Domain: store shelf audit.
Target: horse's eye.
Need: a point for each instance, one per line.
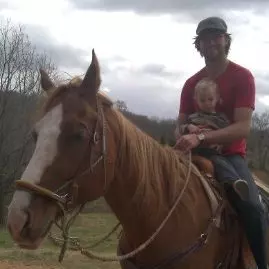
(79, 135)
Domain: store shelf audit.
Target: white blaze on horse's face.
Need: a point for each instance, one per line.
(48, 130)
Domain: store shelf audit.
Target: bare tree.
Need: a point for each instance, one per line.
(260, 121)
(258, 141)
(19, 91)
(121, 105)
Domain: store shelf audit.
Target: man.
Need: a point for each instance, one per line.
(237, 92)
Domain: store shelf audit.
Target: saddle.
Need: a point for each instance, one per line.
(204, 165)
(240, 250)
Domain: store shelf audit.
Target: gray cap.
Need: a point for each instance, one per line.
(211, 23)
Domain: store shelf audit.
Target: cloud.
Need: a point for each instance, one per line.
(168, 6)
(4, 4)
(145, 97)
(63, 55)
(158, 70)
(262, 83)
(150, 89)
(262, 96)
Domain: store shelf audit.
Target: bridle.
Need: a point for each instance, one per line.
(67, 201)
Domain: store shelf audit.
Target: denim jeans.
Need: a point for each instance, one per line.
(251, 213)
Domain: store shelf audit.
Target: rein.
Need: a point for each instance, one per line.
(68, 199)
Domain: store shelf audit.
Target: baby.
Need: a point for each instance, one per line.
(206, 119)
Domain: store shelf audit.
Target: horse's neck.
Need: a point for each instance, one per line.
(140, 219)
(122, 192)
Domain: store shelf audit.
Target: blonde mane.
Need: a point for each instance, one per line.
(161, 171)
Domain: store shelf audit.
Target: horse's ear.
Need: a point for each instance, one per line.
(45, 80)
(92, 79)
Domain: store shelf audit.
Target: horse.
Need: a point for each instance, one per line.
(86, 149)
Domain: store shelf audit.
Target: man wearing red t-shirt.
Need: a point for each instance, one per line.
(237, 92)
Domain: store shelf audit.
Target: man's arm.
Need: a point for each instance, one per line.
(237, 130)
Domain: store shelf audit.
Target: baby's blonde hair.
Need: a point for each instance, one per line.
(205, 84)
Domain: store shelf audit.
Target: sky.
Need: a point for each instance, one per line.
(144, 46)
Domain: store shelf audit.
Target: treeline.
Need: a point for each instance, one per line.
(258, 142)
(161, 130)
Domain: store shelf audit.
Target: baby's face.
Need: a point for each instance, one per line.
(207, 99)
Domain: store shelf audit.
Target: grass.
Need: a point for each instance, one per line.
(89, 228)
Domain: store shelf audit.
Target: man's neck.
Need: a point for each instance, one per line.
(217, 67)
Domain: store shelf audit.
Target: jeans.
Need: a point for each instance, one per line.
(251, 213)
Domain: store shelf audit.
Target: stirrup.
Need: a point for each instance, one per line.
(241, 188)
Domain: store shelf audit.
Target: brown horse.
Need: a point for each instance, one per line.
(86, 149)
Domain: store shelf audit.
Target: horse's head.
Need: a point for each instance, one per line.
(71, 163)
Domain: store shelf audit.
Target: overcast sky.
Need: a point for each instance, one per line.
(144, 46)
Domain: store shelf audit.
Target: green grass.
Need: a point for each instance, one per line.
(5, 241)
(89, 228)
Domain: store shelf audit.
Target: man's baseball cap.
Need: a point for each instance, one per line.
(211, 23)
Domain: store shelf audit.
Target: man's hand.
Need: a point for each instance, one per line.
(187, 142)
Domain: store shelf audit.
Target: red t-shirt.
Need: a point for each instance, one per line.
(237, 89)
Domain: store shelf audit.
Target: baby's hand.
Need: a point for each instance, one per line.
(193, 129)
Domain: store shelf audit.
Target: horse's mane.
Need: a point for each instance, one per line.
(160, 170)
